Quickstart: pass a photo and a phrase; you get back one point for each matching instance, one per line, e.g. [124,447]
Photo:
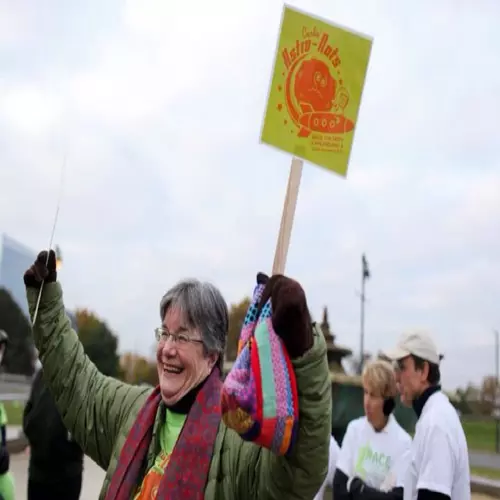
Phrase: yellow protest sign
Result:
[315,94]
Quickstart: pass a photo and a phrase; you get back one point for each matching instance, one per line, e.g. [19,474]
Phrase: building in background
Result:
[15,258]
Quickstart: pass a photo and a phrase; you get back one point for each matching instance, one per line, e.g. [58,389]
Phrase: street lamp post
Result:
[365,274]
[497,392]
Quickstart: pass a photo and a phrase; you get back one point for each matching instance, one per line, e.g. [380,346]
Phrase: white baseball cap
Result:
[418,344]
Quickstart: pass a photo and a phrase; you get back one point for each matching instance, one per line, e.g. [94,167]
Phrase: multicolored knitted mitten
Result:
[259,395]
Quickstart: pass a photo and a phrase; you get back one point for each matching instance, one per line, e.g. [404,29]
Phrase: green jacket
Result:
[99,412]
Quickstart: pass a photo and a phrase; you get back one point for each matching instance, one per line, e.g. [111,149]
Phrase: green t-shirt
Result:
[3,415]
[7,486]
[6,480]
[169,433]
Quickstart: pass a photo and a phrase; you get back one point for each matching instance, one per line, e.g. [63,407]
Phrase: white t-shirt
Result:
[439,457]
[380,459]
[332,461]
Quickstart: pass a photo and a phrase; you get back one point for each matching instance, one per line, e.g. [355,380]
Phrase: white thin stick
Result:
[51,241]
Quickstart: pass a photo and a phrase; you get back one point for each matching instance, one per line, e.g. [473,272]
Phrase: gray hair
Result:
[204,309]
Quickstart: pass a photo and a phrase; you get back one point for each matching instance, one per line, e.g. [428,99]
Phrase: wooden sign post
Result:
[292,193]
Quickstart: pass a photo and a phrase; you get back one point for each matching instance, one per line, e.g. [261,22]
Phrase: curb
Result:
[485,486]
[17,445]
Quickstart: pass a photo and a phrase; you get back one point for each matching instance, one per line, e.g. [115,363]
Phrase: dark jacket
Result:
[54,456]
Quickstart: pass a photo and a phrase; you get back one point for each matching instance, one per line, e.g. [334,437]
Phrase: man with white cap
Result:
[439,468]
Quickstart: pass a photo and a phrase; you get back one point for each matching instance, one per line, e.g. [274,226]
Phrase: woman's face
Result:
[181,365]
[373,404]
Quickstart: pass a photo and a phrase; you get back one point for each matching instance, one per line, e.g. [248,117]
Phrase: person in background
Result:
[56,461]
[375,452]
[7,490]
[332,461]
[439,467]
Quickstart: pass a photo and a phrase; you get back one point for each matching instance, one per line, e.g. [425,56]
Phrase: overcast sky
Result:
[159,105]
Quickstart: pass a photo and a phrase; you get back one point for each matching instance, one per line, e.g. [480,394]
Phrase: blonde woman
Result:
[375,452]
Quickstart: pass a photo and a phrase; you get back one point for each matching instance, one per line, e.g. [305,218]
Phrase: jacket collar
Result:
[419,403]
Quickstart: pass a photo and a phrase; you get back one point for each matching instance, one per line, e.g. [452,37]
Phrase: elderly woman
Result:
[375,452]
[170,442]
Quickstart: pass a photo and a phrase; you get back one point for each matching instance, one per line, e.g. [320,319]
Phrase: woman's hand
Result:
[41,270]
[291,318]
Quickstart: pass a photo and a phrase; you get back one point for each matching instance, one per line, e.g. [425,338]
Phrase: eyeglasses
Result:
[180,339]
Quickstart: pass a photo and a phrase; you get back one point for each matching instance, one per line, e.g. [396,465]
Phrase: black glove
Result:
[356,486]
[291,318]
[41,270]
[4,460]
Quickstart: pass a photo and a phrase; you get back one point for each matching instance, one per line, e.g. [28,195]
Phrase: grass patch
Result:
[480,434]
[487,473]
[14,411]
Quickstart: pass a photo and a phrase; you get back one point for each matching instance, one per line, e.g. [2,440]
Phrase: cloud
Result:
[159,107]
[29,110]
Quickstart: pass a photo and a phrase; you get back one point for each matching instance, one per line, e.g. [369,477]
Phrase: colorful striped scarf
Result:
[259,395]
[187,471]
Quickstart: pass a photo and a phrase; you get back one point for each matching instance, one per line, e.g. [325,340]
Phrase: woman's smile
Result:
[172,369]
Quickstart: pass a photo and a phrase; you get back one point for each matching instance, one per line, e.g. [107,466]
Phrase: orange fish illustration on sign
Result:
[315,91]
[314,85]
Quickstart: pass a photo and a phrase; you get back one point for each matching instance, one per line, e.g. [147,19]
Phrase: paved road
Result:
[14,392]
[487,460]
[13,432]
[93,477]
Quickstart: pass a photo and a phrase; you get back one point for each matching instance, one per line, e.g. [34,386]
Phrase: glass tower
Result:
[15,258]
